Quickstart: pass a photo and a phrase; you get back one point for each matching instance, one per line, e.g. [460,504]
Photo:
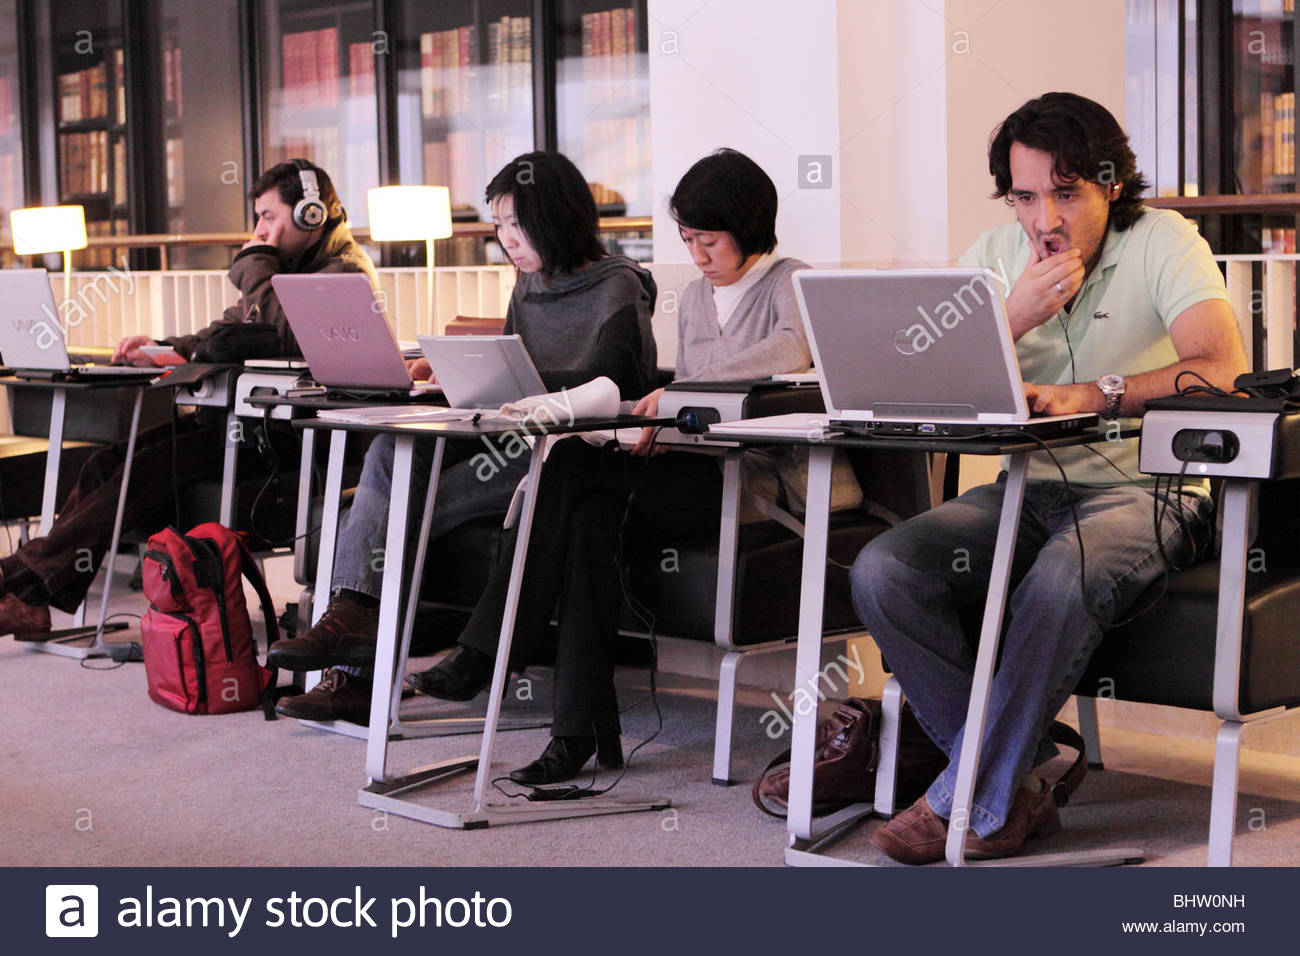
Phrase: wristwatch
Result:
[1112,386]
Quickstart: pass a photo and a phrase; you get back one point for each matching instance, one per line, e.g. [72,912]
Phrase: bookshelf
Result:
[320,97]
[603,109]
[465,98]
[162,120]
[90,114]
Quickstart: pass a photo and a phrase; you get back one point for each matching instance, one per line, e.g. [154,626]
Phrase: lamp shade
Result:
[406,213]
[41,229]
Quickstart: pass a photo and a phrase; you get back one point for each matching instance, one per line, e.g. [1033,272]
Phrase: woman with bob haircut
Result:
[581,313]
[739,321]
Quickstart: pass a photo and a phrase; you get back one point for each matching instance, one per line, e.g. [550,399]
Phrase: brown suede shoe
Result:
[21,619]
[1032,814]
[916,836]
[338,696]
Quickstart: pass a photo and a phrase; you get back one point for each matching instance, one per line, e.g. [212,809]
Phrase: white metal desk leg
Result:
[728,537]
[228,460]
[390,601]
[50,494]
[1237,506]
[724,604]
[982,681]
[502,668]
[117,520]
[329,525]
[417,573]
[809,654]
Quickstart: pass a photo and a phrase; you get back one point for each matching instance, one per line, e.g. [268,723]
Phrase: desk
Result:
[59,642]
[398,727]
[388,791]
[807,840]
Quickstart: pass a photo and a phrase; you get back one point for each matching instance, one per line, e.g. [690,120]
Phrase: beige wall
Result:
[1018,49]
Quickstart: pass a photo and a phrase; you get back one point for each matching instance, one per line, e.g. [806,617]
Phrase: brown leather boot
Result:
[20,619]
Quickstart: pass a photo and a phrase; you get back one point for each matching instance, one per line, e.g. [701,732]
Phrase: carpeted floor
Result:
[94,773]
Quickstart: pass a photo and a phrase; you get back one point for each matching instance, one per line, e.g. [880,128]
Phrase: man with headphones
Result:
[301,228]
[1108,302]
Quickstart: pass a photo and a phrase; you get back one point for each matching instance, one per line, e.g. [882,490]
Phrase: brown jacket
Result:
[251,274]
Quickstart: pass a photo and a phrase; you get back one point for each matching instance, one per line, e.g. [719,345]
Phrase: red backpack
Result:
[199,653]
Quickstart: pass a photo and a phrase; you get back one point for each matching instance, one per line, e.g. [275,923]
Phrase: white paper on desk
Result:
[396,414]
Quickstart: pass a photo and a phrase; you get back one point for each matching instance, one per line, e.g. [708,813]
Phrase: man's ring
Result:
[1059,289]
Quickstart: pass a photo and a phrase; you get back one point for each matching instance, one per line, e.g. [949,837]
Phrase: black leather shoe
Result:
[458,676]
[564,758]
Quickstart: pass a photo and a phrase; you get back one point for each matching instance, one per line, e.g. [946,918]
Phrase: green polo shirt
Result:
[1118,323]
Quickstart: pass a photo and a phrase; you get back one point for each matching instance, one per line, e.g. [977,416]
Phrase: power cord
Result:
[133,650]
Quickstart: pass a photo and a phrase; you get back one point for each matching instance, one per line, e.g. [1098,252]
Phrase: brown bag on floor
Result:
[847,754]
[845,758]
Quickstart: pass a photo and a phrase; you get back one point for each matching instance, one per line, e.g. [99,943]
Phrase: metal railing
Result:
[165,242]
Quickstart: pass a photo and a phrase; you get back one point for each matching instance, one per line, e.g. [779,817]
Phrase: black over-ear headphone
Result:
[309,213]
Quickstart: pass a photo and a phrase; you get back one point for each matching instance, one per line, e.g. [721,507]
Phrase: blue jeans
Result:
[467,489]
[917,584]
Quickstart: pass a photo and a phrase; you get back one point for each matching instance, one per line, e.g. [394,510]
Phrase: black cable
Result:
[1065,330]
[86,662]
[1078,534]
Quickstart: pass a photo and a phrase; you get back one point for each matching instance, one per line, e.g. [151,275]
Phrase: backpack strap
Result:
[248,566]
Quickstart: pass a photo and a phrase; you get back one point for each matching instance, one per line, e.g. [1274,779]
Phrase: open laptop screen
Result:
[912,344]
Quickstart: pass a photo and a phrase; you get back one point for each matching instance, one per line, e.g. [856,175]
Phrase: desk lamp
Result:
[41,229]
[406,213]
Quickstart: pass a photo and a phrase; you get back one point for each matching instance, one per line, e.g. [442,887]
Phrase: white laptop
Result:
[481,371]
[917,352]
[343,333]
[31,335]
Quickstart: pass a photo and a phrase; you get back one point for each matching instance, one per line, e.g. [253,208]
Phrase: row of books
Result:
[83,163]
[83,95]
[311,68]
[1277,134]
[445,58]
[608,63]
[446,78]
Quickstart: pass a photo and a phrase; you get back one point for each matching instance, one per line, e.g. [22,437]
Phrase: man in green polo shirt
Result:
[1108,303]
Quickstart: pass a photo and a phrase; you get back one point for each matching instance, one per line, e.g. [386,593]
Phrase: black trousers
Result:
[583,498]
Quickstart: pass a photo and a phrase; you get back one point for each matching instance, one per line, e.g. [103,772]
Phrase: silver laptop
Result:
[481,371]
[31,334]
[343,332]
[917,351]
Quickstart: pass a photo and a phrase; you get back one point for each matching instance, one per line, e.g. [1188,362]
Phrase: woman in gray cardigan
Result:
[739,321]
[581,313]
